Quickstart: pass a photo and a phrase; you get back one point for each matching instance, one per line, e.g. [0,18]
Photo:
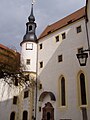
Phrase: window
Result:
[57,38]
[62,92]
[60,58]
[29,27]
[15,100]
[83,89]
[40,86]
[63,102]
[28,61]
[26,94]
[40,45]
[29,46]
[41,64]
[25,115]
[78,29]
[63,35]
[16,82]
[39,109]
[12,116]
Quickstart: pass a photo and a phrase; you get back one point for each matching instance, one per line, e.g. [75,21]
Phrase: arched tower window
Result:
[30,27]
[25,115]
[12,116]
[83,89]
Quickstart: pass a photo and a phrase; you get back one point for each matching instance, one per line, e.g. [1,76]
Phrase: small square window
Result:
[78,29]
[26,94]
[29,46]
[63,35]
[28,61]
[60,58]
[40,45]
[15,100]
[57,38]
[41,64]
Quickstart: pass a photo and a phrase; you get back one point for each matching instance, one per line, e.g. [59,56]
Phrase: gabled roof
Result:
[63,22]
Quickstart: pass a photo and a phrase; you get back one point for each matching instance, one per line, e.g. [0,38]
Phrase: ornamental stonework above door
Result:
[48,112]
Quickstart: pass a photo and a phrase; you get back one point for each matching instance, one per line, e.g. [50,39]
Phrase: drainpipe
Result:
[36,83]
[87,34]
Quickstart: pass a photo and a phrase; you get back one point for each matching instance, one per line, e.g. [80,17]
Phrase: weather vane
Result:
[33,1]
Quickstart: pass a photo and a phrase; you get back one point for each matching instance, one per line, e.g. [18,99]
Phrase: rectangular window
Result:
[28,61]
[79,29]
[29,46]
[16,82]
[40,86]
[57,38]
[40,46]
[26,94]
[41,64]
[15,100]
[63,36]
[59,58]
[39,109]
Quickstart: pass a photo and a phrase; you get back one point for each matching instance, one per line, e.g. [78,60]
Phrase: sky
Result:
[14,15]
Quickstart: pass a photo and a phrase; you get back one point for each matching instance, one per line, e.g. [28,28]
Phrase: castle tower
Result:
[29,45]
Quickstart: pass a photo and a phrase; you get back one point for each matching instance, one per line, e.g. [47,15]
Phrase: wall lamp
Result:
[82,57]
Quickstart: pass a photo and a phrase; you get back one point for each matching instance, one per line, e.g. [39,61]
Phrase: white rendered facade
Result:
[52,71]
[30,54]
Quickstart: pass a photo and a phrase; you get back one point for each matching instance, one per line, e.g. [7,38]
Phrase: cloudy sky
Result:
[14,14]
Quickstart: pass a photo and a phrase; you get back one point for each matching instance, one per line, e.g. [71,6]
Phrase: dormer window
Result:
[29,28]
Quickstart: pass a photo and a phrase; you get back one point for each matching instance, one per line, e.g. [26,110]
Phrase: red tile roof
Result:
[63,22]
[4,47]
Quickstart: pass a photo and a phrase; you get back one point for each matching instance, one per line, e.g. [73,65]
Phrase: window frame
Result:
[62,104]
[57,38]
[79,29]
[60,58]
[28,61]
[82,91]
[41,64]
[63,36]
[40,46]
[26,94]
[15,100]
[30,29]
[29,46]
[79,90]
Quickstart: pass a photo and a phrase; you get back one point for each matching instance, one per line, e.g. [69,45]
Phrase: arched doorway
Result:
[12,116]
[48,112]
[25,115]
[48,115]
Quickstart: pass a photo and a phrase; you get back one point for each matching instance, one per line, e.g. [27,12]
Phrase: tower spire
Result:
[30,35]
[31,18]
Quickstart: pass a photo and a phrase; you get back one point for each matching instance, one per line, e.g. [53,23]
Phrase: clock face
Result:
[29,46]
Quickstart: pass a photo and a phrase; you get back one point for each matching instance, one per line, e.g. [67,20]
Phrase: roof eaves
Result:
[60,27]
